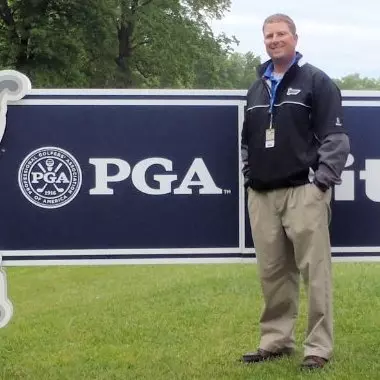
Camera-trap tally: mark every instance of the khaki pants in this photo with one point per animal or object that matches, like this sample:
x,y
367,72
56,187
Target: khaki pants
x,y
291,236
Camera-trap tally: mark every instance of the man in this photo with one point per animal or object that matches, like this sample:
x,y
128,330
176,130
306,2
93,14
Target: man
x,y
294,148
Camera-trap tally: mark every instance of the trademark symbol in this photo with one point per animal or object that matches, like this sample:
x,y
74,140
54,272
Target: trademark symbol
x,y
227,192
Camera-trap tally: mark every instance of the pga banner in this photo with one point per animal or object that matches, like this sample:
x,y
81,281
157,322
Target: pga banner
x,y
108,177
129,177
121,178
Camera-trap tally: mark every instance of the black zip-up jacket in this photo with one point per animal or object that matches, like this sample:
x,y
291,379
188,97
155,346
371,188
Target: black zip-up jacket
x,y
311,144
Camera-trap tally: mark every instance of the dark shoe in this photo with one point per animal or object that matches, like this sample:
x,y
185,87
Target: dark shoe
x,y
263,355
313,362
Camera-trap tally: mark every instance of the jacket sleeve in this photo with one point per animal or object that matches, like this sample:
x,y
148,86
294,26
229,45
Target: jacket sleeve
x,y
327,117
332,157
244,153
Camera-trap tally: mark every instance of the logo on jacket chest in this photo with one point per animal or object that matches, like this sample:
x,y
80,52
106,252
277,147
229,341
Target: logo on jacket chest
x,y
293,91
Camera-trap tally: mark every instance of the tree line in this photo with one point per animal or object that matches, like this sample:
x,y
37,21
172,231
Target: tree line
x,y
127,44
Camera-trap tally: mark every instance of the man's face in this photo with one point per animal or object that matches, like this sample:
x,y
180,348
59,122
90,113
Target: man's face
x,y
279,41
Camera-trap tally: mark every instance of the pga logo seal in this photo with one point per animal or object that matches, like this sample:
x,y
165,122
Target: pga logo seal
x,y
50,177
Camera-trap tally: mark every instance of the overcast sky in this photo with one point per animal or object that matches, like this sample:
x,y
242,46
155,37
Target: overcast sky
x,y
339,36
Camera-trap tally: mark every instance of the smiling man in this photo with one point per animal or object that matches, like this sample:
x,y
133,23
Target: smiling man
x,y
294,148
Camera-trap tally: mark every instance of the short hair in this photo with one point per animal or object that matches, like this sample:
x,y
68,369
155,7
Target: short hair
x,y
280,17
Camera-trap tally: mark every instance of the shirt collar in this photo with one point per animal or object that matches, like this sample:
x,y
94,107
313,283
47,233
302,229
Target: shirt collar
x,y
268,74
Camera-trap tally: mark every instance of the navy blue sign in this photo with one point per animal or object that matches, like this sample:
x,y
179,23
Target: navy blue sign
x,y
114,176
126,177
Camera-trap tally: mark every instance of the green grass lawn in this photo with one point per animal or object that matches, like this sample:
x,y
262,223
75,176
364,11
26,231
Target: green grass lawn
x,y
171,322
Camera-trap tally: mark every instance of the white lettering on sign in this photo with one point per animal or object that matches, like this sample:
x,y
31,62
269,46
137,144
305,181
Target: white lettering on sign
x,y
198,168
370,175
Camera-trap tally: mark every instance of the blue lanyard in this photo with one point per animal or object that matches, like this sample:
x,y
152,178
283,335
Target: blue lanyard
x,y
273,90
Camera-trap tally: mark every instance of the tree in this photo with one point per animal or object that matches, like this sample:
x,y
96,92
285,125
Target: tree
x,y
240,70
113,43
160,40
356,82
55,42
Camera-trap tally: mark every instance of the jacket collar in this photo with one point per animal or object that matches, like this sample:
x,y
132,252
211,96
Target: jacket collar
x,y
267,67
